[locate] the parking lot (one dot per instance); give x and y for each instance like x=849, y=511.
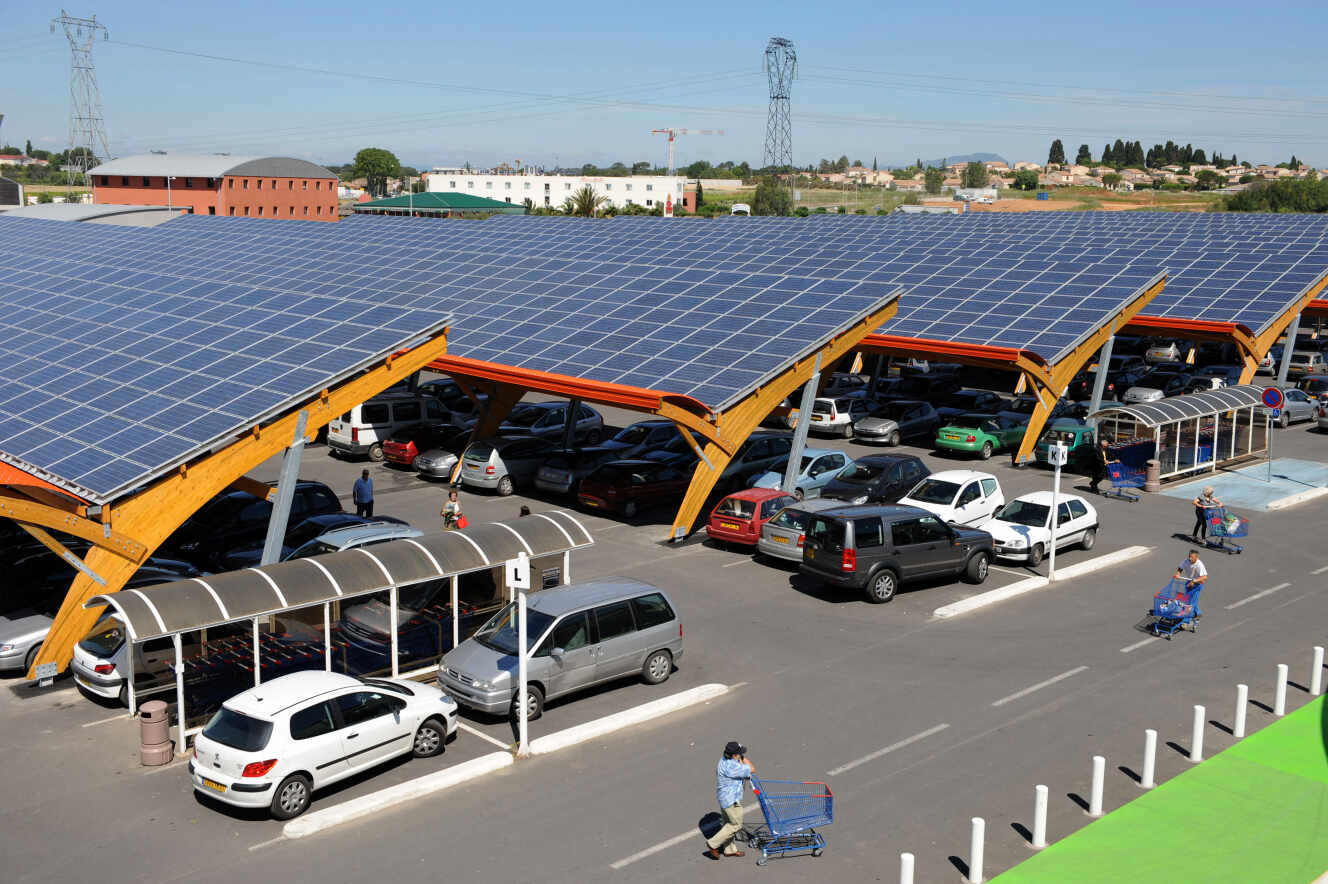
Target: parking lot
x=917, y=723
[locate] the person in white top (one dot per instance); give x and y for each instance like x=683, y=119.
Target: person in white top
x=1192, y=571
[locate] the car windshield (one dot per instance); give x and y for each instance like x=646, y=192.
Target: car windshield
x=934, y=491
x=480, y=451
x=789, y=517
x=974, y=422
x=104, y=639
x=631, y=435
x=860, y=473
x=237, y=730
x=1158, y=378
x=1066, y=436
x=524, y=416
x=500, y=633
x=736, y=507
x=1023, y=512
x=312, y=548
x=305, y=532
x=892, y=411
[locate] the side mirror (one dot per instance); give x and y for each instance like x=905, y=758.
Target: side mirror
x=557, y=653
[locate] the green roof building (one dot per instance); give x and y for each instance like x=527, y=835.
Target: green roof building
x=439, y=205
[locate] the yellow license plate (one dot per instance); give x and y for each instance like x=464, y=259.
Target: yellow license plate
x=948, y=436
x=811, y=553
x=590, y=503
x=777, y=539
x=729, y=525
x=213, y=785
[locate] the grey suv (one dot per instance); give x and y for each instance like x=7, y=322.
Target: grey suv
x=876, y=548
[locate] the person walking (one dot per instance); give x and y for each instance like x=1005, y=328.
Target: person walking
x=734, y=769
x=1101, y=457
x=1193, y=572
x=363, y=494
x=1202, y=503
x=452, y=512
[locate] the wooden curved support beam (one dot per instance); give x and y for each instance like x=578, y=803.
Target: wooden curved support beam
x=1278, y=327
x=31, y=512
x=150, y=515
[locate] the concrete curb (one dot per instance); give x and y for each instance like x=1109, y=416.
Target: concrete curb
x=982, y=600
x=628, y=717
x=1295, y=499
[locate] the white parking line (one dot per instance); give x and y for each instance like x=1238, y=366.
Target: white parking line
x=1010, y=572
x=737, y=563
x=123, y=716
x=1257, y=595
x=665, y=845
x=907, y=741
x=1039, y=686
x=1136, y=646
x=461, y=725
x=1320, y=570
x=268, y=843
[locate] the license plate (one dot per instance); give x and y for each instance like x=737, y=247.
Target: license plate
x=590, y=502
x=948, y=436
x=811, y=553
x=778, y=539
x=213, y=785
x=730, y=526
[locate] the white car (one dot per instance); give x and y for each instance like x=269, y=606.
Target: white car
x=960, y=497
x=274, y=744
x=1022, y=528
x=836, y=415
x=1321, y=413
x=1166, y=352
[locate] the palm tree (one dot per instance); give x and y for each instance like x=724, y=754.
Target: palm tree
x=585, y=203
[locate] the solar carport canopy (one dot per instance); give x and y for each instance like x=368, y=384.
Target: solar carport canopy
x=1191, y=405
x=186, y=605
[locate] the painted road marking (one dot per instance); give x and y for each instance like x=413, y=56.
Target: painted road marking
x=693, y=832
x=123, y=716
x=736, y=564
x=1012, y=573
x=1257, y=595
x=1039, y=686
x=1136, y=646
x=267, y=843
x=1320, y=570
x=461, y=725
x=907, y=741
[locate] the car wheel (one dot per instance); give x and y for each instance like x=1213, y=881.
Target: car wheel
x=847, y=432
x=976, y=572
x=30, y=660
x=1035, y=555
x=505, y=486
x=594, y=437
x=893, y=439
x=123, y=696
x=375, y=452
x=429, y=739
x=882, y=586
x=630, y=509
x=985, y=454
x=534, y=703
x=1284, y=421
x=658, y=667
x=1090, y=539
x=798, y=494
x=292, y=798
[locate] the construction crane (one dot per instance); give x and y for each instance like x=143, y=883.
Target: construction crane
x=674, y=133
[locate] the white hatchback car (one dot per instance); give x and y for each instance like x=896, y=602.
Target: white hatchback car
x=1022, y=528
x=274, y=744
x=960, y=497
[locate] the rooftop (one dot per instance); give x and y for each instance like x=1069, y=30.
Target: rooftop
x=212, y=166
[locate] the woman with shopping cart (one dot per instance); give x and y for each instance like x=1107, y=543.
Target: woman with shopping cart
x=1202, y=504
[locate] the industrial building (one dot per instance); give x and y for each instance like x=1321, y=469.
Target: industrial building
x=551, y=191
x=220, y=184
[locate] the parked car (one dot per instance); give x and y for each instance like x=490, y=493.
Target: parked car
x=627, y=487
x=838, y=414
x=440, y=460
x=876, y=478
x=1314, y=385
x=564, y=470
x=1163, y=351
x=274, y=745
x=1230, y=374
x=968, y=402
x=981, y=434
x=503, y=463
x=236, y=518
x=916, y=367
x=1021, y=529
x=762, y=450
x=547, y=420
x=462, y=411
x=895, y=421
x=300, y=534
x=1299, y=406
x=1268, y=364
x=875, y=549
x=842, y=383
x=738, y=518
x=1306, y=362
x=1077, y=436
x=783, y=535
x=927, y=387
x=1024, y=404
x=406, y=444
x=818, y=467
x=1321, y=413
x=363, y=429
x=959, y=497
x=644, y=436
x=1118, y=381
x=578, y=636
x=1199, y=384
x=1158, y=385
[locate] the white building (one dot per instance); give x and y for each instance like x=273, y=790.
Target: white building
x=551, y=190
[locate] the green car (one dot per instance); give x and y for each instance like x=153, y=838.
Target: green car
x=1078, y=439
x=981, y=434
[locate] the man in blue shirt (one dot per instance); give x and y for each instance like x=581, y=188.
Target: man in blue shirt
x=363, y=494
x=733, y=770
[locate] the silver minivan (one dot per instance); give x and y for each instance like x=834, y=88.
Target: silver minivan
x=578, y=636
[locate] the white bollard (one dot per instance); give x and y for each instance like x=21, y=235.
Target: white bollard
x=1040, y=817
x=1197, y=734
x=1316, y=672
x=1279, y=703
x=1099, y=780
x=975, y=845
x=1242, y=700
x=1150, y=759
x=905, y=868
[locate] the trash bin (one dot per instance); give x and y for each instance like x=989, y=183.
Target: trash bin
x=154, y=734
x=1153, y=475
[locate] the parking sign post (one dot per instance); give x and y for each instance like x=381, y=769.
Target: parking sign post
x=518, y=577
x=1058, y=454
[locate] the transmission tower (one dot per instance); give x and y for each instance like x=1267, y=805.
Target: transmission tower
x=781, y=67
x=87, y=129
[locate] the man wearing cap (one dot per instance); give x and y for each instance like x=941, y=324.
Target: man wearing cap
x=734, y=769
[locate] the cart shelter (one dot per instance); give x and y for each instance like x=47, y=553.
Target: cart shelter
x=1188, y=434
x=304, y=591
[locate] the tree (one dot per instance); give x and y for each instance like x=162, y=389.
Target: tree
x=772, y=198
x=529, y=204
x=1199, y=158
x=640, y=168
x=45, y=197
x=700, y=194
x=1107, y=156
x=375, y=165
x=841, y=164
x=1111, y=180
x=1207, y=179
x=1085, y=156
x=27, y=151
x=873, y=164
x=585, y=203
x=975, y=175
x=933, y=179
x=1026, y=179
x=1056, y=156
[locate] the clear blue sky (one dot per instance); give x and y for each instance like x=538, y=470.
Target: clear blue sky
x=586, y=82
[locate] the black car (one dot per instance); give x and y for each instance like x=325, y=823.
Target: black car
x=930, y=388
x=643, y=436
x=1118, y=381
x=236, y=518
x=34, y=575
x=876, y=478
x=1023, y=405
x=297, y=535
x=966, y=401
x=874, y=549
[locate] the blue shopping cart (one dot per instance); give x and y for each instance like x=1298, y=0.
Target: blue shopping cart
x=1175, y=607
x=793, y=809
x=1124, y=479
x=1222, y=525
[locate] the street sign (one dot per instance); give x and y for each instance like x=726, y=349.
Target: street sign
x=1275, y=413
x=1057, y=454
x=518, y=572
x=1272, y=397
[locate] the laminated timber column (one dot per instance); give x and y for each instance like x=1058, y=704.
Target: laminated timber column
x=150, y=516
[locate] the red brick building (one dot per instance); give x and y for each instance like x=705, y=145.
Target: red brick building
x=254, y=187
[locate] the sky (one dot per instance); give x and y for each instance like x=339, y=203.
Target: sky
x=586, y=82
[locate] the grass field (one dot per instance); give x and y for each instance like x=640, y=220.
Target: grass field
x=868, y=198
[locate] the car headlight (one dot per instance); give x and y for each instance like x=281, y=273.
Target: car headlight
x=481, y=685
x=6, y=647
x=1018, y=541
x=860, y=499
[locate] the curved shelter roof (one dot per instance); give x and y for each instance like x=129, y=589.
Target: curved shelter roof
x=1191, y=405
x=211, y=166
x=270, y=589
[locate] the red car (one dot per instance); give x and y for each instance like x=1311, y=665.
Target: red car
x=403, y=446
x=629, y=486
x=738, y=518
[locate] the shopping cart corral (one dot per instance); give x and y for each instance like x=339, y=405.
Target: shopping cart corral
x=792, y=809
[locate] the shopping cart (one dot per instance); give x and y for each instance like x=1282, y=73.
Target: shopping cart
x=1222, y=525
x=1124, y=478
x=1175, y=607
x=792, y=809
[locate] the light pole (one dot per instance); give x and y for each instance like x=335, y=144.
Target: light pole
x=169, y=179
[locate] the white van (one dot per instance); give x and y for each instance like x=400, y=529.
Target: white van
x=363, y=429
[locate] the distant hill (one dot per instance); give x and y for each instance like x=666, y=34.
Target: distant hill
x=956, y=158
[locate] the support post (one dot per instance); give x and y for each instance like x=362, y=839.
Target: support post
x=1099, y=780
x=800, y=431
x=1316, y=672
x=975, y=846
x=905, y=868
x=1242, y=702
x=569, y=422
x=875, y=382
x=1197, y=735
x=132, y=696
x=1058, y=453
x=1039, y=817
x=290, y=474
x=179, y=694
x=456, y=612
x=1100, y=377
x=258, y=656
x=523, y=731
x=567, y=567
x=327, y=636
x=1290, y=345
x=1279, y=700
x=392, y=625
x=1146, y=779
